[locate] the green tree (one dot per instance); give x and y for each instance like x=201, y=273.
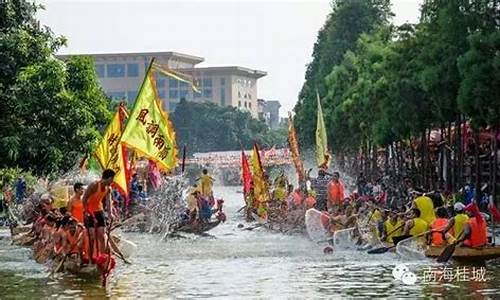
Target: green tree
x=348, y=20
x=50, y=110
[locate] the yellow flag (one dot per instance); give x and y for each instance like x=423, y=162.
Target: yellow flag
x=176, y=75
x=322, y=156
x=110, y=152
x=260, y=190
x=149, y=130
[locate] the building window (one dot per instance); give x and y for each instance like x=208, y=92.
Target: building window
x=222, y=81
x=184, y=94
x=250, y=105
x=160, y=81
x=245, y=104
x=173, y=94
x=99, y=69
x=116, y=95
x=239, y=103
x=196, y=94
x=223, y=96
x=183, y=84
x=207, y=93
x=116, y=70
x=172, y=106
x=161, y=94
x=173, y=83
x=239, y=94
x=132, y=70
x=131, y=95
x=207, y=82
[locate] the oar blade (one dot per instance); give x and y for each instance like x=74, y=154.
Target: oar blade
x=397, y=239
x=378, y=250
x=447, y=253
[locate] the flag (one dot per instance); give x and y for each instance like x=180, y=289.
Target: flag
x=294, y=148
x=111, y=154
x=246, y=175
x=176, y=75
x=322, y=156
x=261, y=193
x=149, y=130
x=494, y=211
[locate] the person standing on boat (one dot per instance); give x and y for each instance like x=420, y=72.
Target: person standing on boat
x=206, y=183
x=75, y=204
x=335, y=191
x=93, y=207
x=320, y=187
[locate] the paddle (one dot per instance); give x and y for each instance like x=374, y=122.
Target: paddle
x=449, y=250
x=396, y=240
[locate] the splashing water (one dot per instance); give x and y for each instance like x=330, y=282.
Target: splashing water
x=410, y=249
x=165, y=205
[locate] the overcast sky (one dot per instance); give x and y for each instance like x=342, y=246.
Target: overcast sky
x=276, y=36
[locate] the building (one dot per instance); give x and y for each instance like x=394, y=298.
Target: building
x=272, y=108
x=121, y=75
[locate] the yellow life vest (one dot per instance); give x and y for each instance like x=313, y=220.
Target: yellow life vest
x=279, y=194
x=426, y=207
x=390, y=229
x=458, y=227
x=419, y=226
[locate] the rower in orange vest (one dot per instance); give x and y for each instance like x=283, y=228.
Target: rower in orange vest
x=475, y=230
x=437, y=226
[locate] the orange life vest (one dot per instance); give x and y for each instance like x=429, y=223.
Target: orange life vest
x=94, y=202
x=478, y=235
x=297, y=198
x=77, y=209
x=336, y=192
x=325, y=220
x=437, y=237
x=310, y=202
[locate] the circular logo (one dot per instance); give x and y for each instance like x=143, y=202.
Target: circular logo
x=399, y=270
x=409, y=278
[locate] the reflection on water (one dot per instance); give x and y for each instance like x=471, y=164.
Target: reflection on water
x=236, y=264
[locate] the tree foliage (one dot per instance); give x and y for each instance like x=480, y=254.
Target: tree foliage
x=205, y=127
x=51, y=110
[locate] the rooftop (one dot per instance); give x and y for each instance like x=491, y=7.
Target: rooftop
x=185, y=57
x=230, y=70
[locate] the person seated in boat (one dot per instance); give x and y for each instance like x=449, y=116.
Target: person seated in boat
x=439, y=237
x=416, y=225
x=393, y=226
x=206, y=183
x=192, y=203
x=75, y=204
x=59, y=234
x=75, y=243
x=426, y=208
x=204, y=209
x=456, y=224
x=475, y=232
x=310, y=201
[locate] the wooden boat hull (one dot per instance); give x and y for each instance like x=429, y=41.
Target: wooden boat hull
x=199, y=229
x=466, y=253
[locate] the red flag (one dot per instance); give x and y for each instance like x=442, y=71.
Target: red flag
x=246, y=175
x=494, y=211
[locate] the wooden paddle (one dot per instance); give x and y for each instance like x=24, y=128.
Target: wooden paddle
x=449, y=250
x=396, y=240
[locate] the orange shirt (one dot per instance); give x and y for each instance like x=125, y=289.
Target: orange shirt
x=336, y=192
x=94, y=202
x=437, y=237
x=77, y=208
x=310, y=202
x=479, y=236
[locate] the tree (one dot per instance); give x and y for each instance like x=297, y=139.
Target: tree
x=50, y=110
x=348, y=20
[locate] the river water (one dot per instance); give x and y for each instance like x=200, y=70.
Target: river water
x=238, y=263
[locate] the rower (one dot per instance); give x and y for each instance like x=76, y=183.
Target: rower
x=416, y=225
x=438, y=228
x=390, y=228
x=94, y=212
x=426, y=208
x=456, y=224
x=475, y=230
x=75, y=204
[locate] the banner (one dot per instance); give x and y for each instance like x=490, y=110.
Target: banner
x=322, y=156
x=149, y=130
x=111, y=154
x=260, y=190
x=246, y=175
x=294, y=148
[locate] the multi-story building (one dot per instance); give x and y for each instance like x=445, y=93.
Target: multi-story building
x=121, y=75
x=269, y=112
